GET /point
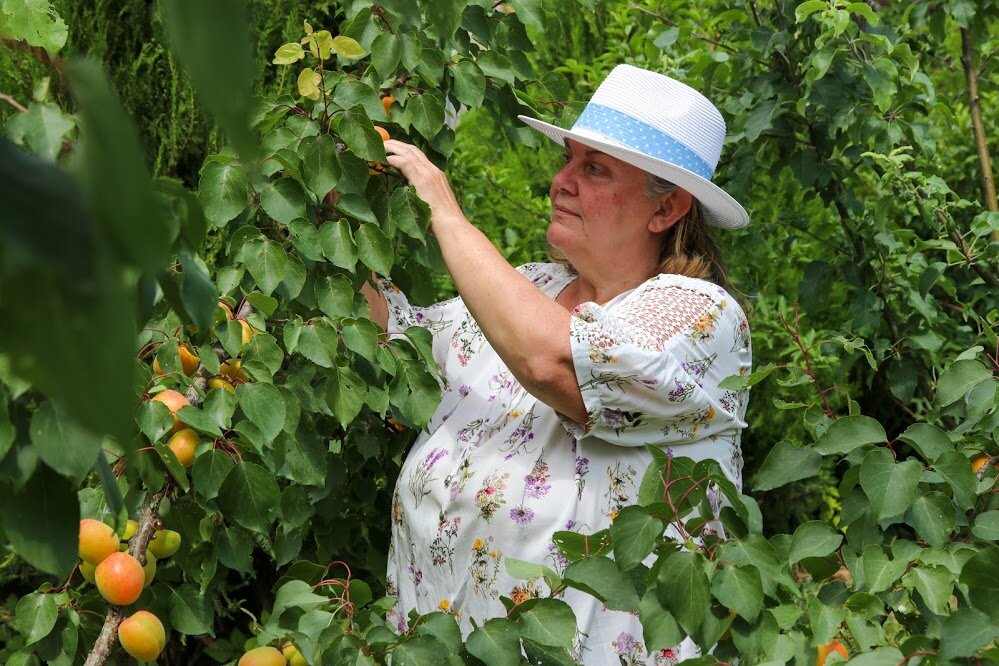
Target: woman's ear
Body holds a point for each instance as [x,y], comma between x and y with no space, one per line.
[672,207]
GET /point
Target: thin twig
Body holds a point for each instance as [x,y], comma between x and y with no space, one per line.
[13,102]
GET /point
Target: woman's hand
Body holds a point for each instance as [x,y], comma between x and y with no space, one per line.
[430,183]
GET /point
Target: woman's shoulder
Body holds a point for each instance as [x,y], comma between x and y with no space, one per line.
[688,293]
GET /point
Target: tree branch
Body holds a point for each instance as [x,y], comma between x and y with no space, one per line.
[13,102]
[975,106]
[149,522]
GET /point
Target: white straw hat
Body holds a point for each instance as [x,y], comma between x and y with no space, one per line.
[661,126]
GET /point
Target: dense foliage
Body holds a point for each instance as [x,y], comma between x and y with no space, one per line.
[142,229]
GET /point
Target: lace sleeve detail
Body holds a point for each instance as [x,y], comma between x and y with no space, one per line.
[649,322]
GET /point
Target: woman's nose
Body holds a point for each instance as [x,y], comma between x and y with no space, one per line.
[565,179]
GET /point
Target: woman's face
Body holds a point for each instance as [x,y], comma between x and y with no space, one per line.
[601,210]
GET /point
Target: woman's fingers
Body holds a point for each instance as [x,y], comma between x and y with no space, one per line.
[430,183]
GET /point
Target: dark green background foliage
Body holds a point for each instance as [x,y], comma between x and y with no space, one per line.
[869,272]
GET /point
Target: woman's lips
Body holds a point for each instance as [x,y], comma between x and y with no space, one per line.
[564,211]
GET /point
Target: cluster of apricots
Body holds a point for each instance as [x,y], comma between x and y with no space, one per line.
[288,655]
[120,578]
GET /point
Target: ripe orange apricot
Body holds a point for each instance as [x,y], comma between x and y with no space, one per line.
[823,652]
[979,461]
[183,443]
[174,400]
[120,578]
[262,656]
[97,541]
[189,361]
[387,102]
[382,132]
[142,635]
[164,543]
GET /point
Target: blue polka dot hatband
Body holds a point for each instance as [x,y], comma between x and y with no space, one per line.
[662,126]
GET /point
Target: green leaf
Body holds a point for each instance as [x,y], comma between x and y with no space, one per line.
[212,40]
[335,296]
[249,496]
[191,612]
[760,119]
[353,93]
[442,626]
[495,643]
[34,21]
[209,471]
[338,244]
[288,54]
[882,78]
[890,486]
[786,463]
[469,83]
[420,651]
[548,622]
[409,212]
[684,589]
[634,534]
[964,632]
[223,189]
[806,9]
[987,526]
[523,570]
[880,573]
[348,47]
[600,577]
[848,433]
[934,517]
[930,441]
[357,207]
[386,51]
[345,395]
[318,343]
[958,379]
[359,134]
[61,443]
[981,574]
[42,128]
[197,291]
[934,584]
[321,168]
[444,16]
[885,656]
[267,262]
[283,200]
[199,420]
[427,114]
[956,470]
[35,616]
[42,522]
[659,628]
[263,404]
[374,249]
[114,171]
[234,548]
[740,589]
[813,539]
[296,594]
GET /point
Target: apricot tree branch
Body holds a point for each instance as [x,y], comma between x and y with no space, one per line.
[977,124]
[149,522]
[13,102]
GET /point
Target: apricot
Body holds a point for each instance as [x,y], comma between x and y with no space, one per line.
[387,102]
[248,331]
[382,132]
[131,527]
[823,652]
[149,570]
[293,656]
[189,361]
[120,579]
[262,656]
[978,462]
[233,371]
[87,571]
[97,541]
[183,443]
[164,543]
[142,635]
[174,400]
[220,382]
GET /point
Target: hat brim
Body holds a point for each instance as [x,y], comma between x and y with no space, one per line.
[718,206]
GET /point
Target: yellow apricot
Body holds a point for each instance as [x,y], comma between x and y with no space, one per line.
[262,656]
[97,541]
[183,443]
[142,635]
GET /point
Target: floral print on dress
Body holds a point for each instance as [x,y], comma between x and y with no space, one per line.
[490,497]
[442,548]
[704,328]
[699,367]
[687,425]
[621,489]
[683,390]
[457,480]
[419,484]
[521,440]
[484,567]
[468,339]
[665,657]
[630,652]
[536,484]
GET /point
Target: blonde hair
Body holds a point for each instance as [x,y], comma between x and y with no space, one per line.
[688,248]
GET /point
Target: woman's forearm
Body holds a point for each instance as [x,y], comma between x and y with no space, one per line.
[376,304]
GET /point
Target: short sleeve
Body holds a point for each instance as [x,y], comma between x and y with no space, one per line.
[439,319]
[649,366]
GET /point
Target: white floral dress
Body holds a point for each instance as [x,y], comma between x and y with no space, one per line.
[497,471]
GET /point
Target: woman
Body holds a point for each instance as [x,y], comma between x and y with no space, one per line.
[557,375]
